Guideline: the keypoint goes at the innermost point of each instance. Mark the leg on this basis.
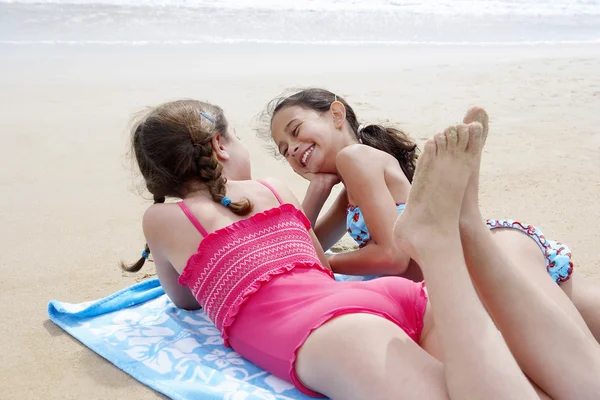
(586, 297)
(363, 356)
(477, 362)
(526, 255)
(552, 350)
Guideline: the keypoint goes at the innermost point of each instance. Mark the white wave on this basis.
(426, 7)
(294, 42)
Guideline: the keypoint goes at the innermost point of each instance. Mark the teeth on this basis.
(306, 154)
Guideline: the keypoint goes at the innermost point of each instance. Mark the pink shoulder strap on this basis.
(272, 190)
(192, 219)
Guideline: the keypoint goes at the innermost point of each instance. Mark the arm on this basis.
(181, 296)
(332, 226)
(288, 197)
(318, 191)
(370, 192)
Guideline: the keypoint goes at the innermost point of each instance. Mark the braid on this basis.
(210, 170)
(172, 144)
(140, 263)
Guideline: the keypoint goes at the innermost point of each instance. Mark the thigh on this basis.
(364, 356)
(528, 257)
(586, 297)
(542, 395)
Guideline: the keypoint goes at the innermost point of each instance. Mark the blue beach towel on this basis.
(176, 352)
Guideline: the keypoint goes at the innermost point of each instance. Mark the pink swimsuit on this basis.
(261, 283)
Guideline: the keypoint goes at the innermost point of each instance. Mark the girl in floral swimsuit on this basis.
(244, 251)
(319, 135)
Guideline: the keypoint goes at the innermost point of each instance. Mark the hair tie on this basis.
(145, 254)
(359, 132)
(208, 117)
(226, 201)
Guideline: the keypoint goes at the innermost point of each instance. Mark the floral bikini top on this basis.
(357, 228)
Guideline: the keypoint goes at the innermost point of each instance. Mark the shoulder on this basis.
(356, 153)
(286, 194)
(276, 184)
(159, 216)
(271, 181)
(354, 157)
(159, 211)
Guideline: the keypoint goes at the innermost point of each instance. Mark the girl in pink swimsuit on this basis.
(244, 251)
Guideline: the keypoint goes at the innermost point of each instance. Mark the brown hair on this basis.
(172, 145)
(390, 140)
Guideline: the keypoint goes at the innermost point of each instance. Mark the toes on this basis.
(451, 137)
(473, 114)
(440, 141)
(475, 137)
(429, 148)
(478, 114)
(462, 136)
(423, 162)
(429, 151)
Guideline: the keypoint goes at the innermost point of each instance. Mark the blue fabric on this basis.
(176, 352)
(357, 227)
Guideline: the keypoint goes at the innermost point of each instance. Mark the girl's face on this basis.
(308, 140)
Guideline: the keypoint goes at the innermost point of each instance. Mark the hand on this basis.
(309, 176)
(322, 180)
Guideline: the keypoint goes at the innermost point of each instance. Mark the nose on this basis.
(295, 149)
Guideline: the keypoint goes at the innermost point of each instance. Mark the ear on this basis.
(219, 146)
(338, 111)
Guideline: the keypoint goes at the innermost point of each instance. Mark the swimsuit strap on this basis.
(272, 190)
(192, 219)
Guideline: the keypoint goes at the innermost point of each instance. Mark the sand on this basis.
(70, 211)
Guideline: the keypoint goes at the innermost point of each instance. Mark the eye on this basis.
(295, 131)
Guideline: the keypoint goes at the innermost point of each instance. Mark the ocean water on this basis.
(324, 22)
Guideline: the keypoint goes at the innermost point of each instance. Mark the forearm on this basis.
(313, 202)
(328, 232)
(332, 225)
(370, 260)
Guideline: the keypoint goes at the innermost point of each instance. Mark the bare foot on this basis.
(470, 205)
(434, 204)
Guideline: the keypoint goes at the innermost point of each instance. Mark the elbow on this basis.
(393, 261)
(188, 306)
(184, 303)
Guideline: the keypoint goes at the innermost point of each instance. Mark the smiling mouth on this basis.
(306, 154)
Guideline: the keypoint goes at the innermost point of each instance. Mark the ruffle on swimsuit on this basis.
(557, 255)
(232, 263)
